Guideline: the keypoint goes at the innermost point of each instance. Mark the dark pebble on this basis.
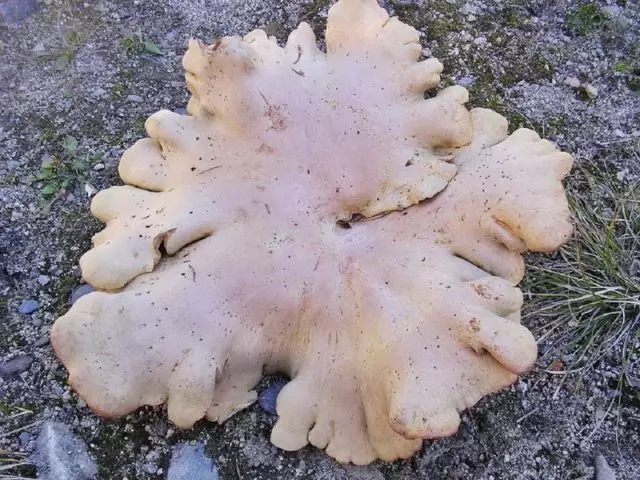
(13, 11)
(267, 397)
(80, 291)
(42, 341)
(28, 306)
(15, 366)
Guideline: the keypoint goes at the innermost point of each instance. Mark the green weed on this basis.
(137, 43)
(586, 19)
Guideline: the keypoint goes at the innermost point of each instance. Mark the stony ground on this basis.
(77, 81)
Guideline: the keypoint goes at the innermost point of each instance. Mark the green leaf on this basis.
(151, 47)
(49, 189)
(70, 144)
(73, 37)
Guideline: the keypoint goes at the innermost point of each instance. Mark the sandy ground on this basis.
(77, 81)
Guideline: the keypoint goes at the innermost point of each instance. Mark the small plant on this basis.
(58, 173)
(591, 292)
(586, 19)
(137, 43)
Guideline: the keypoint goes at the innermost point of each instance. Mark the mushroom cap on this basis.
(314, 214)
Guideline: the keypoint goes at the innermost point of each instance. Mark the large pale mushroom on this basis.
(314, 215)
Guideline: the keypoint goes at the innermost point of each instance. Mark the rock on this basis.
(590, 90)
(15, 366)
(60, 455)
(38, 48)
(24, 438)
(98, 166)
(134, 98)
(367, 472)
(603, 470)
(43, 280)
(181, 111)
(98, 92)
(80, 291)
(28, 306)
(189, 462)
(12, 12)
(465, 81)
(42, 341)
(267, 398)
(572, 82)
(480, 41)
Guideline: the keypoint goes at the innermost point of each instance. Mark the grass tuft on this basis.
(588, 296)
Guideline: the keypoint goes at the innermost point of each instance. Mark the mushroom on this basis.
(314, 214)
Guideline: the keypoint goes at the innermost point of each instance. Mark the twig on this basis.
(238, 469)
(26, 427)
(527, 415)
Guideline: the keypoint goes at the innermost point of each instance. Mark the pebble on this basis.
(189, 462)
(38, 48)
(28, 306)
(60, 455)
(134, 98)
(98, 166)
(267, 398)
(603, 470)
(43, 280)
(12, 12)
(480, 41)
(465, 81)
(590, 90)
(573, 82)
(98, 92)
(15, 366)
(80, 291)
(24, 437)
(42, 341)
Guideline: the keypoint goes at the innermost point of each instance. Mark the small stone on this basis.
(267, 398)
(25, 437)
(98, 166)
(480, 41)
(98, 92)
(181, 111)
(590, 90)
(188, 462)
(90, 190)
(465, 81)
(572, 82)
(28, 306)
(42, 341)
(43, 280)
(60, 455)
(603, 470)
(12, 12)
(15, 366)
(38, 48)
(80, 291)
(134, 98)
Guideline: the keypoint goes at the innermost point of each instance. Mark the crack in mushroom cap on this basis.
(388, 328)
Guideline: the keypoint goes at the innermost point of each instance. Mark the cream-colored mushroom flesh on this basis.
(314, 214)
